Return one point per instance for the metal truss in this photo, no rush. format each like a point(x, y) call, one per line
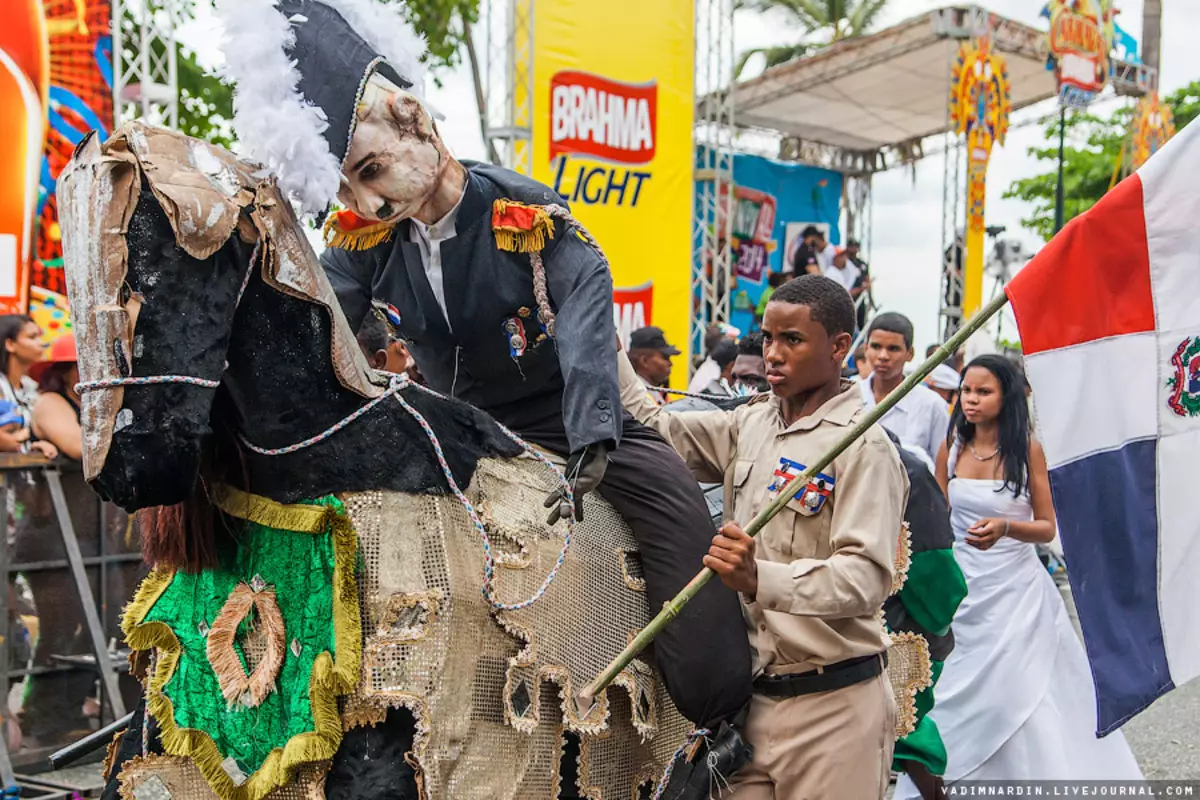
point(712, 265)
point(145, 70)
point(508, 81)
point(953, 252)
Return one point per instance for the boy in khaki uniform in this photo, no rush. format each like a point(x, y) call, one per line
point(822, 721)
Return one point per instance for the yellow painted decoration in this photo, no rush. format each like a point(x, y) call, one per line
point(980, 105)
point(1153, 125)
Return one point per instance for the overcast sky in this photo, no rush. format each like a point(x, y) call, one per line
point(907, 209)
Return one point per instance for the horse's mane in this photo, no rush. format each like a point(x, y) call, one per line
point(188, 536)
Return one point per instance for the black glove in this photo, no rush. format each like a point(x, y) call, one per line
point(585, 470)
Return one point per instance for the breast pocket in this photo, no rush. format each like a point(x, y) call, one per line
point(810, 514)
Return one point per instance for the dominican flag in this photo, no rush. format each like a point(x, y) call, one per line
point(1109, 314)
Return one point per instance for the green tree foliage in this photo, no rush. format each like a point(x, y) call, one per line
point(823, 21)
point(1092, 153)
point(206, 103)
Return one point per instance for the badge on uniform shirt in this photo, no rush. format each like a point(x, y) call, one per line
point(812, 496)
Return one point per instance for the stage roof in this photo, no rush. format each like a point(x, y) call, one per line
point(888, 90)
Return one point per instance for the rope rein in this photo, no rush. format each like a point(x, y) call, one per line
point(395, 385)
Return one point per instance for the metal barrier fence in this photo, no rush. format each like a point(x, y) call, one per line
point(71, 563)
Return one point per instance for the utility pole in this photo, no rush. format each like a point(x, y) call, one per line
point(1059, 204)
point(1151, 32)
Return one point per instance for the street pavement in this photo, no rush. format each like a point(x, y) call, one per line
point(1165, 738)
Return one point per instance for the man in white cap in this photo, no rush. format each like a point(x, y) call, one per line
point(945, 381)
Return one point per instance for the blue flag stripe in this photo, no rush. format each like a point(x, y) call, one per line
point(1107, 517)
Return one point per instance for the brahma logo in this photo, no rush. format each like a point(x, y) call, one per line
point(632, 308)
point(601, 118)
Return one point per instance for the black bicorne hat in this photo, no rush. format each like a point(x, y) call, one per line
point(299, 69)
point(334, 64)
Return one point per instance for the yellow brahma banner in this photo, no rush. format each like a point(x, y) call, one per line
point(612, 132)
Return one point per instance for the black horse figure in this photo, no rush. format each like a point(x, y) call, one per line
point(209, 343)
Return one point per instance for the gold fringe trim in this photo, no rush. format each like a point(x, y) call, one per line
point(263, 511)
point(328, 680)
point(231, 675)
point(910, 671)
point(903, 559)
point(517, 239)
point(361, 239)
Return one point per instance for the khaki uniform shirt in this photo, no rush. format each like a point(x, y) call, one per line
point(825, 562)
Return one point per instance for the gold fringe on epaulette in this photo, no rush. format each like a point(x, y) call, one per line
point(328, 679)
point(518, 238)
point(361, 239)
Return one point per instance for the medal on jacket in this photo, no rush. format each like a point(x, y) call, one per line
point(812, 496)
point(515, 333)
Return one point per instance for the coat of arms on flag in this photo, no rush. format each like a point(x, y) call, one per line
point(812, 496)
point(1185, 383)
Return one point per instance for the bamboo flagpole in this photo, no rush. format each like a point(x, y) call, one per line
point(671, 609)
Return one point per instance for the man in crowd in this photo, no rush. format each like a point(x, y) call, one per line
point(504, 303)
point(651, 355)
point(921, 418)
point(724, 354)
point(805, 260)
point(708, 371)
point(822, 721)
point(774, 281)
point(851, 255)
point(825, 251)
point(749, 368)
point(846, 273)
point(862, 366)
point(945, 381)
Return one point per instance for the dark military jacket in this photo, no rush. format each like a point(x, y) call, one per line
point(569, 380)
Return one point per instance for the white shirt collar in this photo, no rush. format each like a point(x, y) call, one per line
point(867, 386)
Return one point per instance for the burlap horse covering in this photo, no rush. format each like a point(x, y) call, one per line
point(492, 691)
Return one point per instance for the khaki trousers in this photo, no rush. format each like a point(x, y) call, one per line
point(827, 746)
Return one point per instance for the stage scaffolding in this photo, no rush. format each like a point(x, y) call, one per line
point(712, 263)
point(145, 61)
point(884, 95)
point(507, 27)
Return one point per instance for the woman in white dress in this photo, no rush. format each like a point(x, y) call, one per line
point(1015, 700)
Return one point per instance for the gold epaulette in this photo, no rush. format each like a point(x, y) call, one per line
point(348, 231)
point(521, 228)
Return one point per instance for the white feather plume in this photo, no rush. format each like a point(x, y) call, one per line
point(274, 124)
point(382, 27)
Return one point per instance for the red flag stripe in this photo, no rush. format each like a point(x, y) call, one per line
point(1092, 280)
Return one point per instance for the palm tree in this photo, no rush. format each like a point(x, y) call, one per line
point(834, 20)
